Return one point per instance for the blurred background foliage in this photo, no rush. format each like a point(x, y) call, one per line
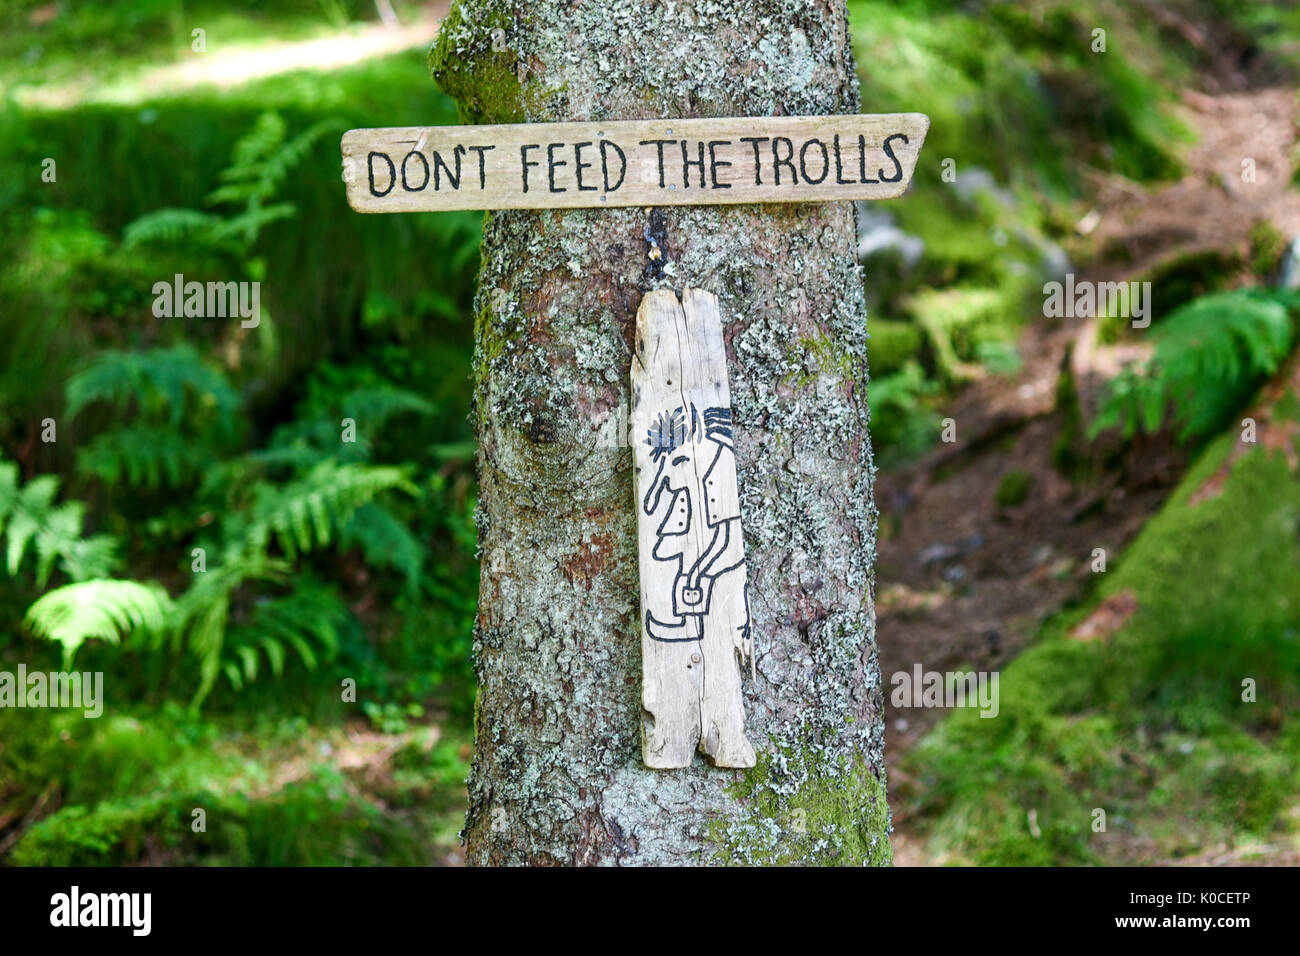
point(188, 444)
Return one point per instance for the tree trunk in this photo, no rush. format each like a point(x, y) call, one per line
point(558, 775)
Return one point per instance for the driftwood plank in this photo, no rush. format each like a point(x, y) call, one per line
point(633, 163)
point(695, 629)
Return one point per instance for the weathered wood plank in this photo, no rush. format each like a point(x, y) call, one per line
point(633, 163)
point(695, 629)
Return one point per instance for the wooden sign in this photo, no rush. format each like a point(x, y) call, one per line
point(632, 163)
point(695, 628)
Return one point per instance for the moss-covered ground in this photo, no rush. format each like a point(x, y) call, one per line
point(1178, 725)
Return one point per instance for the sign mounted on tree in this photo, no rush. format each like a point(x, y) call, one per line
point(694, 622)
point(694, 600)
point(632, 163)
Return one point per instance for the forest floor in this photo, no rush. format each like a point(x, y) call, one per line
point(965, 583)
point(228, 65)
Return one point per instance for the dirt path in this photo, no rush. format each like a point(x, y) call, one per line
point(964, 583)
point(229, 66)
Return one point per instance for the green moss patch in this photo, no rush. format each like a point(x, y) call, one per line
point(1147, 723)
point(835, 815)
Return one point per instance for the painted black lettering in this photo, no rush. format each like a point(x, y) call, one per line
point(440, 165)
point(660, 143)
point(862, 161)
point(778, 160)
point(482, 167)
point(898, 167)
point(714, 163)
point(803, 162)
point(579, 166)
point(758, 162)
point(839, 165)
point(392, 173)
point(423, 162)
point(687, 163)
point(604, 164)
point(552, 164)
point(525, 162)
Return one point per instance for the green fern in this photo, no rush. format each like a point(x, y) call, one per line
point(1209, 355)
point(142, 456)
point(308, 512)
point(178, 413)
point(103, 609)
point(171, 226)
point(309, 620)
point(315, 434)
point(260, 162)
point(376, 405)
point(243, 228)
point(300, 516)
point(385, 542)
point(226, 622)
point(157, 381)
point(202, 612)
point(262, 159)
point(901, 422)
point(30, 519)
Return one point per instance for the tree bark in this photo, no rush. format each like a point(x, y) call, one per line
point(557, 776)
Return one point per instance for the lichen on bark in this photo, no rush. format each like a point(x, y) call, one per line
point(557, 775)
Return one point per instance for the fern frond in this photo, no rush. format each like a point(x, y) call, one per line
point(260, 162)
point(93, 557)
point(31, 510)
point(385, 541)
point(310, 619)
point(10, 489)
point(248, 157)
point(289, 156)
point(171, 226)
point(144, 455)
point(59, 531)
point(157, 380)
point(299, 452)
point(29, 517)
point(1208, 356)
point(246, 225)
point(305, 441)
point(305, 513)
point(105, 609)
point(262, 159)
point(202, 612)
point(315, 433)
point(373, 407)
